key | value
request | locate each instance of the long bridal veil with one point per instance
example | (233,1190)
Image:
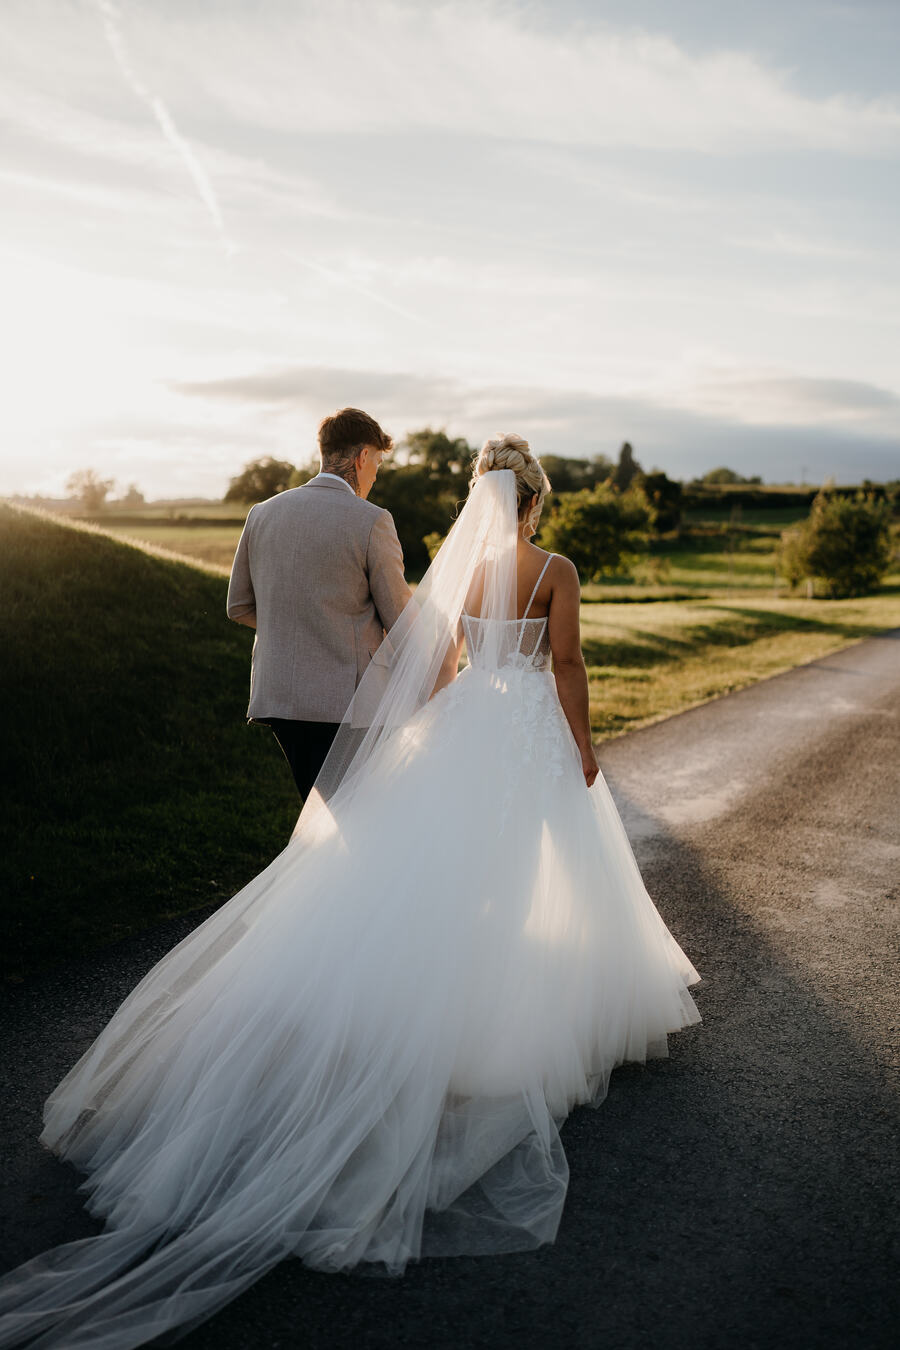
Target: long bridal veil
(481,546)
(282,1082)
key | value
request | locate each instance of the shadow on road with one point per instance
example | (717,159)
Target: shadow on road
(733,1195)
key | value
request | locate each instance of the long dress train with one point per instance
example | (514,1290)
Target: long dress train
(365,1055)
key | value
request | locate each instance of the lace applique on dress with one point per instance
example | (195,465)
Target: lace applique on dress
(513,652)
(517,659)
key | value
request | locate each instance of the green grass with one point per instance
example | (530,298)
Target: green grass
(205,531)
(133,788)
(711,557)
(769,518)
(210,543)
(714,557)
(647,661)
(195,512)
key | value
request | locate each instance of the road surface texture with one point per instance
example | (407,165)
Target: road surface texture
(743,1192)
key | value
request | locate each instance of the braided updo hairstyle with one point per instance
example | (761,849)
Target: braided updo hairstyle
(512,452)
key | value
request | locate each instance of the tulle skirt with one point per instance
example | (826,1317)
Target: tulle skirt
(365,1055)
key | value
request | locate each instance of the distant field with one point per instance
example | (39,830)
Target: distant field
(769,517)
(647,661)
(711,559)
(706,561)
(209,532)
(715,556)
(727,621)
(210,543)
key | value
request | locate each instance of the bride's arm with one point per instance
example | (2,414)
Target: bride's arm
(563,625)
(450,664)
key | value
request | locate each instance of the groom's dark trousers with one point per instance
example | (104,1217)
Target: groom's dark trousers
(305,745)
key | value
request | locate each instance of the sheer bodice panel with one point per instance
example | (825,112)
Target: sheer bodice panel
(497,644)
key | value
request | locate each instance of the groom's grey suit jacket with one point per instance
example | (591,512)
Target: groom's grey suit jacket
(323,571)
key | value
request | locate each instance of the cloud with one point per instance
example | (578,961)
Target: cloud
(164,457)
(80,193)
(800,246)
(767,400)
(308,386)
(492,191)
(346,280)
(511,72)
(683,441)
(109,17)
(229,421)
(505,71)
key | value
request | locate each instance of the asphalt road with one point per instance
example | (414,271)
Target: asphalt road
(742,1193)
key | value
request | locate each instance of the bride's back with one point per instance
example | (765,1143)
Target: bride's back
(523,642)
(534,588)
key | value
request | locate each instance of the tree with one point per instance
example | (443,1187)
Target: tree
(422,503)
(600,469)
(724,477)
(423,496)
(434,451)
(304,473)
(571,475)
(132,497)
(259,479)
(90,489)
(664,495)
(601,530)
(845,544)
(791,555)
(433,543)
(626,468)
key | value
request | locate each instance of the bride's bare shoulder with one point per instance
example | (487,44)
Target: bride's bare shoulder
(555,563)
(561,571)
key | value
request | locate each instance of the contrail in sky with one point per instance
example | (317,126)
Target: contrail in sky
(109,16)
(340,280)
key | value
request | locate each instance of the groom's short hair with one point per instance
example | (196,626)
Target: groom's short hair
(346,432)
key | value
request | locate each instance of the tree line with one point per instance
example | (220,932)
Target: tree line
(602,513)
(606,514)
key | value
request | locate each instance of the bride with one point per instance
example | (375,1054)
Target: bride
(364,1056)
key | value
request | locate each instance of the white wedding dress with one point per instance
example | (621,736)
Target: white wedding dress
(365,1055)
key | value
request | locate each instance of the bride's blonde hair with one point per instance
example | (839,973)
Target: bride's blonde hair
(512,452)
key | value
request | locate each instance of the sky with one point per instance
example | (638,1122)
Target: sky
(673,222)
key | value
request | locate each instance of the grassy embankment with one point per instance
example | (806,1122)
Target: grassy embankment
(133,788)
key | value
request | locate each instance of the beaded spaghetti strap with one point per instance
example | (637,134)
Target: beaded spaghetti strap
(530,603)
(536,584)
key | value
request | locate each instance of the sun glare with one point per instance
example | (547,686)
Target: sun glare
(61,348)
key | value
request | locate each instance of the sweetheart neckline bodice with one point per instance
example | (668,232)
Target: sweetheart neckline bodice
(519,644)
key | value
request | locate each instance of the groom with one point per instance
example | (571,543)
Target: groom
(318,573)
